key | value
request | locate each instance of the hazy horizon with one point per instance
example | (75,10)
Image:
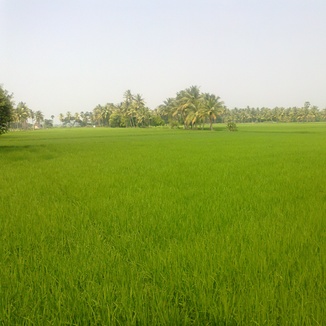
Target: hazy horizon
(60,56)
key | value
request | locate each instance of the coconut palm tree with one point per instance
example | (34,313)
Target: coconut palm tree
(167,109)
(77,117)
(68,117)
(211,107)
(15,118)
(61,117)
(106,113)
(188,101)
(138,101)
(32,116)
(39,117)
(143,116)
(86,117)
(22,114)
(138,110)
(127,109)
(98,114)
(313,114)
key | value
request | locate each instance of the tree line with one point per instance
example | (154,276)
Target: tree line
(21,114)
(18,117)
(190,108)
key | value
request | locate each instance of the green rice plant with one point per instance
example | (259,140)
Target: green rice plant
(163,226)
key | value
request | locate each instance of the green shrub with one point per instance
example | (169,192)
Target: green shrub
(232,126)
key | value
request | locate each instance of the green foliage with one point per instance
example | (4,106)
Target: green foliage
(163,227)
(157,121)
(306,113)
(232,126)
(6,108)
(115,120)
(21,114)
(48,123)
(39,118)
(174,123)
(190,108)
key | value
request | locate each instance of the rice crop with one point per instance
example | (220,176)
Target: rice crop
(163,227)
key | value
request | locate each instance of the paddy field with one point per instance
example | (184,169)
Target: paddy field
(163,227)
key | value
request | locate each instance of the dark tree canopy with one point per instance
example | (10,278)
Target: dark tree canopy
(6,107)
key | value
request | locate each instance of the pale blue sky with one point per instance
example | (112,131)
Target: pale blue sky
(66,55)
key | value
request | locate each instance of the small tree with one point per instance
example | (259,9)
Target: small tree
(6,110)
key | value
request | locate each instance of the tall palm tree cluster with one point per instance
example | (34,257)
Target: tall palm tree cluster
(189,108)
(307,113)
(22,114)
(131,112)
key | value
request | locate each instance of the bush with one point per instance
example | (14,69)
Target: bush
(115,120)
(232,126)
(173,123)
(157,121)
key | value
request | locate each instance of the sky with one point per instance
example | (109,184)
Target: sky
(69,55)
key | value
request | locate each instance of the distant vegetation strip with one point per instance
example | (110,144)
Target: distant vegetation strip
(190,108)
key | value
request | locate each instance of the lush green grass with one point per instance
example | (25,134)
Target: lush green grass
(163,227)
